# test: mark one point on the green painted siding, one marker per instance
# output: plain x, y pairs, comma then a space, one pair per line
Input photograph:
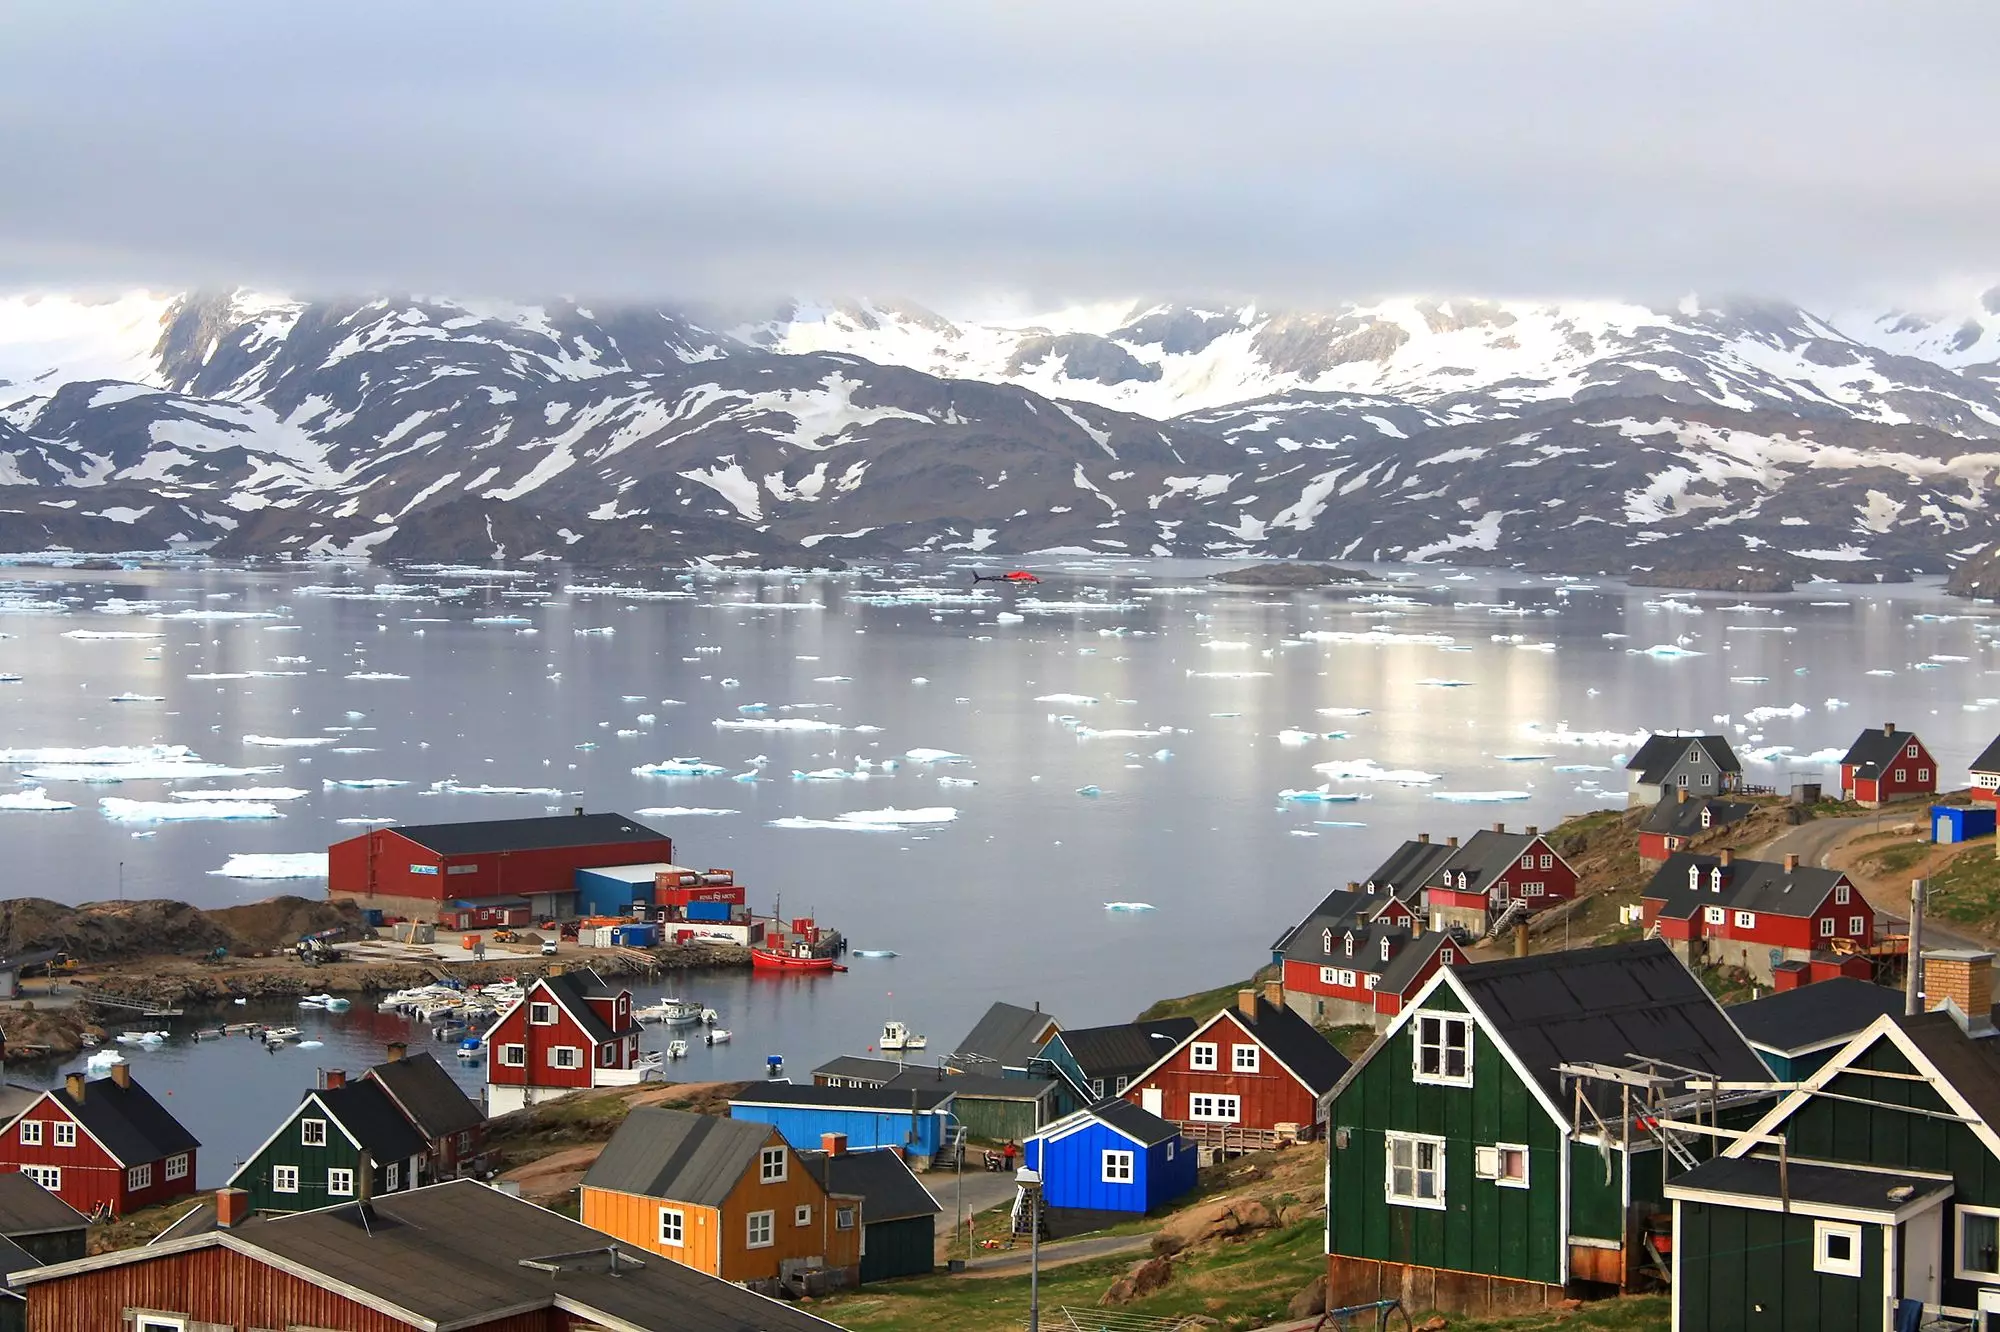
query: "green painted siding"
1484, 1227
996, 1121
1734, 1261
289, 1149
900, 1248
1596, 1192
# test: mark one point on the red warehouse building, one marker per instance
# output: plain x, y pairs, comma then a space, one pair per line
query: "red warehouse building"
1754, 914
106, 1147
1885, 765
571, 1031
444, 870
1251, 1076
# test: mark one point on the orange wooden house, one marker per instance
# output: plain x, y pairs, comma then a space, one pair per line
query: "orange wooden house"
724, 1196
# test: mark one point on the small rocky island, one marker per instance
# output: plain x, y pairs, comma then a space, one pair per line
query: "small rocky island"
1289, 573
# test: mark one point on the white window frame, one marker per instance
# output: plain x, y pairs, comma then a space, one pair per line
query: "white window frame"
1841, 893
1745, 920
139, 1177
566, 1057
1923, 774
1245, 1059
176, 1167
1414, 1141
1097, 1088
339, 1183
49, 1177
541, 1013
284, 1179
1714, 915
752, 1228
1201, 1056
1385, 948
1911, 751
1826, 927
1548, 862
392, 1176
673, 1227
513, 1056
1964, 1273
63, 1133
312, 1133
1898, 775
1857, 925
143, 1321
773, 1165
1491, 1163
1117, 1168
1849, 1266
1443, 1045
31, 1133
1329, 976
1211, 1108
802, 1215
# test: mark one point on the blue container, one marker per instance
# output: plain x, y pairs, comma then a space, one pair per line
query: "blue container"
636, 936
373, 915
1961, 825
713, 911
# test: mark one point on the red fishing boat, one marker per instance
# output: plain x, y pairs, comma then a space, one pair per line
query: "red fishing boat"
775, 961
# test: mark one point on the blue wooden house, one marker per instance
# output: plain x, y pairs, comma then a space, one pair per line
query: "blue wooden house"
916, 1120
1112, 1157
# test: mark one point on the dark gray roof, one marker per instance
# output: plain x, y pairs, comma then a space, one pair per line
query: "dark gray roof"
1293, 1042
453, 1254
979, 1086
464, 839
133, 1126
1971, 1067
1661, 752
1747, 885
1807, 1182
1486, 856
1989, 758
1682, 818
673, 1154
1008, 1036
1407, 960
1134, 1122
575, 988
26, 1208
196, 1220
924, 1098
14, 1258
367, 1112
1612, 1005
1794, 1021
858, 1066
880, 1178
1125, 1049
1368, 936
1411, 866
1876, 749
427, 1095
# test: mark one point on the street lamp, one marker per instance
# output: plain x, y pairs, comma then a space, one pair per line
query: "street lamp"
1031, 1194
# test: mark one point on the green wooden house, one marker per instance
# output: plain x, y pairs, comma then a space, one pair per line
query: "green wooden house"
1494, 1150
1873, 1186
898, 1214
345, 1141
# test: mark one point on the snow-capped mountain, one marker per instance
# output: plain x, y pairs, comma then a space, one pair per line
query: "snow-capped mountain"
1582, 436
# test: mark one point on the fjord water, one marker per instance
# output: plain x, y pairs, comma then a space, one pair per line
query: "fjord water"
1194, 686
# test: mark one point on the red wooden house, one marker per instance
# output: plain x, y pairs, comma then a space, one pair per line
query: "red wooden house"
491, 866
1494, 874
570, 1032
1250, 1076
1885, 765
1360, 965
1754, 914
1986, 774
1680, 819
104, 1147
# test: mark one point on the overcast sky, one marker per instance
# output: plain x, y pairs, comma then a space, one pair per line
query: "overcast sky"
959, 153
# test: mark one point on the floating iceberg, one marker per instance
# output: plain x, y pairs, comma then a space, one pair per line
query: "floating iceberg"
680, 767
1485, 797
361, 783
377, 675
101, 754
1092, 791
1668, 651
1079, 700
775, 724
934, 756
34, 798
274, 865
107, 634
135, 698
288, 741
1228, 675
247, 793
873, 820
1436, 683
681, 811
1128, 906
450, 787
1344, 712
168, 811
1324, 795
1367, 770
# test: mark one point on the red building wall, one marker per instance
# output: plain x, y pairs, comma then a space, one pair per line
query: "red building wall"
379, 863
1269, 1097
218, 1285
1769, 928
1658, 846
91, 1177
1889, 786
514, 1029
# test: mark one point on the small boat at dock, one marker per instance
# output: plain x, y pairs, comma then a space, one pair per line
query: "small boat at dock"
677, 1049
669, 1010
765, 959
717, 1036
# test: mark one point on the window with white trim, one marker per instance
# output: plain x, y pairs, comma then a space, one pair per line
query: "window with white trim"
1533, 889
1548, 862
673, 1226
802, 1215
565, 1056
1826, 925
843, 1218
139, 1176
1214, 1109
1923, 774
1898, 775
1713, 915
1385, 950
65, 1134
284, 1179
1837, 1248
1118, 1167
1443, 1050
31, 1133
1857, 925
1415, 1170
1746, 920
1505, 1163
49, 1177
757, 1229
177, 1166
1202, 1055
1329, 976
513, 1056
771, 1166
152, 1322
340, 1183
1243, 1059
1841, 893
541, 1015
1527, 862
1978, 1253
1326, 940
1097, 1088
1911, 752
392, 1177
312, 1133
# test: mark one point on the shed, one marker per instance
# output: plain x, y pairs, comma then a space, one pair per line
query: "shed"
915, 1120
1795, 1032
1952, 824
990, 1108
486, 913
1112, 1157
898, 1214
613, 890
1004, 1040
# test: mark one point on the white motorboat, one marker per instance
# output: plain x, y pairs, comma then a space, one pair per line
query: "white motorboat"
669, 1010
709, 1017
717, 1036
279, 1035
896, 1036
142, 1037
677, 1049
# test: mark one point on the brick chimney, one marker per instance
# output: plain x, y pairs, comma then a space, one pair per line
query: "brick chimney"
1727, 856
1888, 728
1500, 828
833, 1144
1963, 976
232, 1208
122, 1074
1533, 831
1425, 838
332, 1078
1452, 840
397, 1049
1681, 792
1791, 862
556, 969
1274, 993
73, 1084
364, 1177
1246, 1003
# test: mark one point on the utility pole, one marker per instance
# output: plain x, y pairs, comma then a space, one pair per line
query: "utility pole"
1031, 1186
121, 880
1913, 970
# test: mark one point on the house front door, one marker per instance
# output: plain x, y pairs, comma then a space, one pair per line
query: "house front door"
1923, 1256
1152, 1101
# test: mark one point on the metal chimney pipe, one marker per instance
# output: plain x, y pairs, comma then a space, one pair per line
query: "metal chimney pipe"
1913, 974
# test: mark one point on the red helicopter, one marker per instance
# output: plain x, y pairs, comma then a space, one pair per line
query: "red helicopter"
1017, 576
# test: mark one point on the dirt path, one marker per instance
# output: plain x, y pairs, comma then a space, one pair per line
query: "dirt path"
1014, 1261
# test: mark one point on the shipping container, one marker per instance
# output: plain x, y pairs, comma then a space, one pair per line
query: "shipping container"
708, 911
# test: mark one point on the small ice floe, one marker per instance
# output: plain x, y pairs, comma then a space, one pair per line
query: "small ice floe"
934, 756
874, 952
1435, 683
1302, 832
501, 619
832, 679
1665, 651
680, 767
1523, 758
1344, 712
1484, 797
682, 812
450, 786
1129, 906
85, 635
1092, 733
1091, 791
376, 675
124, 698
794, 724
1322, 795
1367, 770
168, 811
827, 775
873, 820
361, 783
1580, 767
1077, 700
1295, 737
247, 793
1228, 675
1008, 617
1749, 679
957, 781
602, 630
287, 741
35, 798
